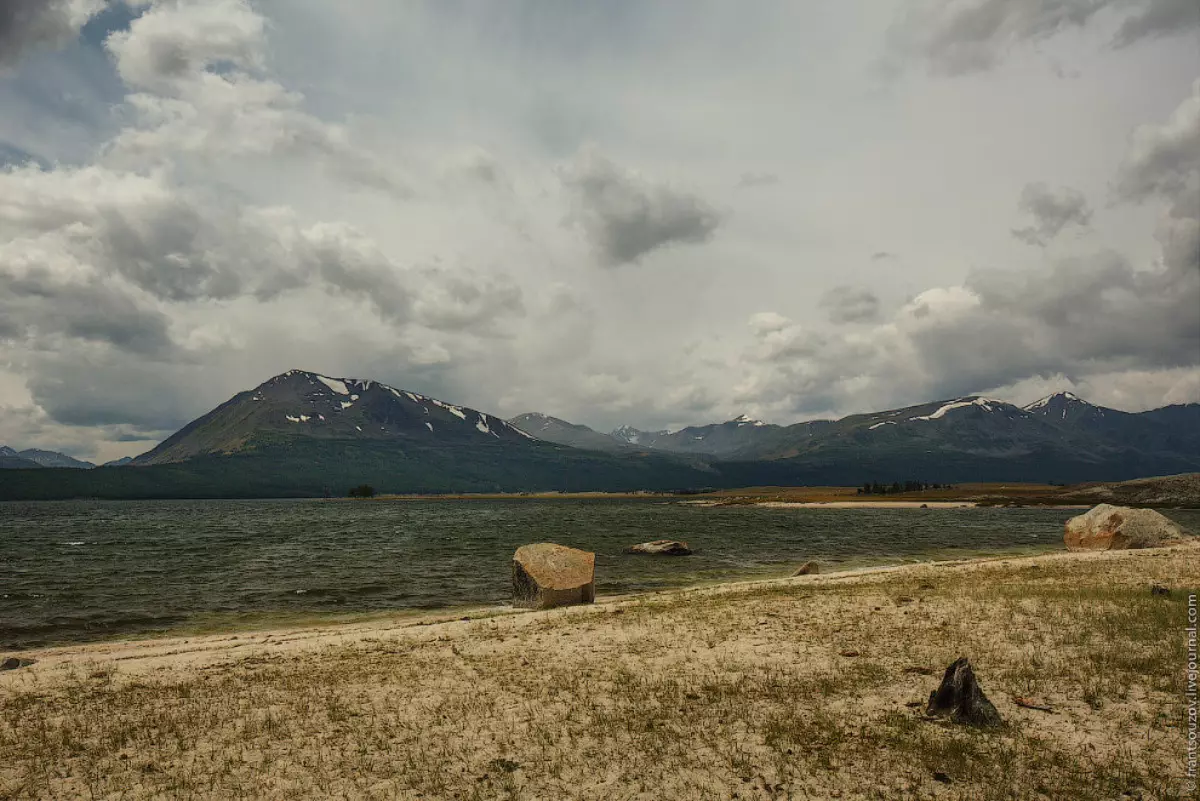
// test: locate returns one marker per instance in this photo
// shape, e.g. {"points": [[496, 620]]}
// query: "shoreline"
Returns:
{"points": [[348, 624], [266, 622], [858, 504], [811, 686]]}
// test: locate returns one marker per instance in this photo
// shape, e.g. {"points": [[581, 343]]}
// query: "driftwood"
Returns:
{"points": [[1025, 703]]}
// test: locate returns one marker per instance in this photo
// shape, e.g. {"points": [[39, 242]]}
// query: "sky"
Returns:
{"points": [[656, 214]]}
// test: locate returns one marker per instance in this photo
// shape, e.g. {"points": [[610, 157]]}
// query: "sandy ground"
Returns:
{"points": [[869, 504], [811, 687], [835, 504]]}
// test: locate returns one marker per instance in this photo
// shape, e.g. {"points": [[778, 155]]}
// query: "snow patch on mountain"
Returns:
{"points": [[988, 405], [524, 434], [337, 386], [454, 410]]}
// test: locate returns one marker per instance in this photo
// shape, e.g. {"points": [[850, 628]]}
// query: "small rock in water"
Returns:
{"points": [[1158, 589], [807, 569], [662, 548], [960, 697]]}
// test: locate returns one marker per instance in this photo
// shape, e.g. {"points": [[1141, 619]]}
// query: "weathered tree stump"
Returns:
{"points": [[960, 697]]}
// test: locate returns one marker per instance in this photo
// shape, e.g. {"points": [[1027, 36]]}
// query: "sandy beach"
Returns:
{"points": [[811, 687], [868, 505]]}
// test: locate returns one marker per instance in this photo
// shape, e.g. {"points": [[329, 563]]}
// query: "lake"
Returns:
{"points": [[83, 570]]}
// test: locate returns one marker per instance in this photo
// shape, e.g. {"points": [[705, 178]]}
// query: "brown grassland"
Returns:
{"points": [[810, 687]]}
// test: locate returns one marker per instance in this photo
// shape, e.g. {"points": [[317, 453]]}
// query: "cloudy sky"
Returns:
{"points": [[621, 212]]}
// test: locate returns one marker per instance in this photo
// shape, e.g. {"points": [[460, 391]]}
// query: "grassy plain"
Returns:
{"points": [[811, 687]]}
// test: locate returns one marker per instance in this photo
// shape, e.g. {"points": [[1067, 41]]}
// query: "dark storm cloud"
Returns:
{"points": [[1164, 163], [846, 304], [1052, 211], [1164, 159], [625, 216], [40, 308], [961, 36], [1159, 18], [29, 24], [98, 389]]}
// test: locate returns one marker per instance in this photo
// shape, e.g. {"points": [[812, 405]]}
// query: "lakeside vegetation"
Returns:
{"points": [[776, 690]]}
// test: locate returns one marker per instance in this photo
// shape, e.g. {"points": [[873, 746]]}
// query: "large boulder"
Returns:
{"points": [[547, 575], [1113, 528], [662, 548]]}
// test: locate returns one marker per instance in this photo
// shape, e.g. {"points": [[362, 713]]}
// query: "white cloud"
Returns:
{"points": [[409, 193], [198, 71]]}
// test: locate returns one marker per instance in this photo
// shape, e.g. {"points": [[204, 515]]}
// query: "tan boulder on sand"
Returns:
{"points": [[547, 575], [1114, 528]]}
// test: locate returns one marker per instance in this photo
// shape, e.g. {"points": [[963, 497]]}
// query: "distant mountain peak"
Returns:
{"points": [[1057, 397], [41, 458], [746, 420], [300, 406], [635, 436]]}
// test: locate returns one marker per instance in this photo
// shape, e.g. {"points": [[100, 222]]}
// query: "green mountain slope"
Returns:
{"points": [[303, 434]]}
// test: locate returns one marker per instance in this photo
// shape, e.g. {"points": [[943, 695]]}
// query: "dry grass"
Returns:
{"points": [[735, 692]]}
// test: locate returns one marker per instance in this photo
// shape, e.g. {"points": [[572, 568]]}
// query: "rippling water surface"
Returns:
{"points": [[85, 570]]}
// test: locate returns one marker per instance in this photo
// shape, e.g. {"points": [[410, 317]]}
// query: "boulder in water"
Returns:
{"points": [[662, 548], [807, 569], [546, 575], [1113, 528]]}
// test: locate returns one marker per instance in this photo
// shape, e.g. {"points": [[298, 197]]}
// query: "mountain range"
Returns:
{"points": [[1061, 426], [33, 458], [304, 434]]}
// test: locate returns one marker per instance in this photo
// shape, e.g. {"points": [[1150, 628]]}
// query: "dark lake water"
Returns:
{"points": [[86, 570]]}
